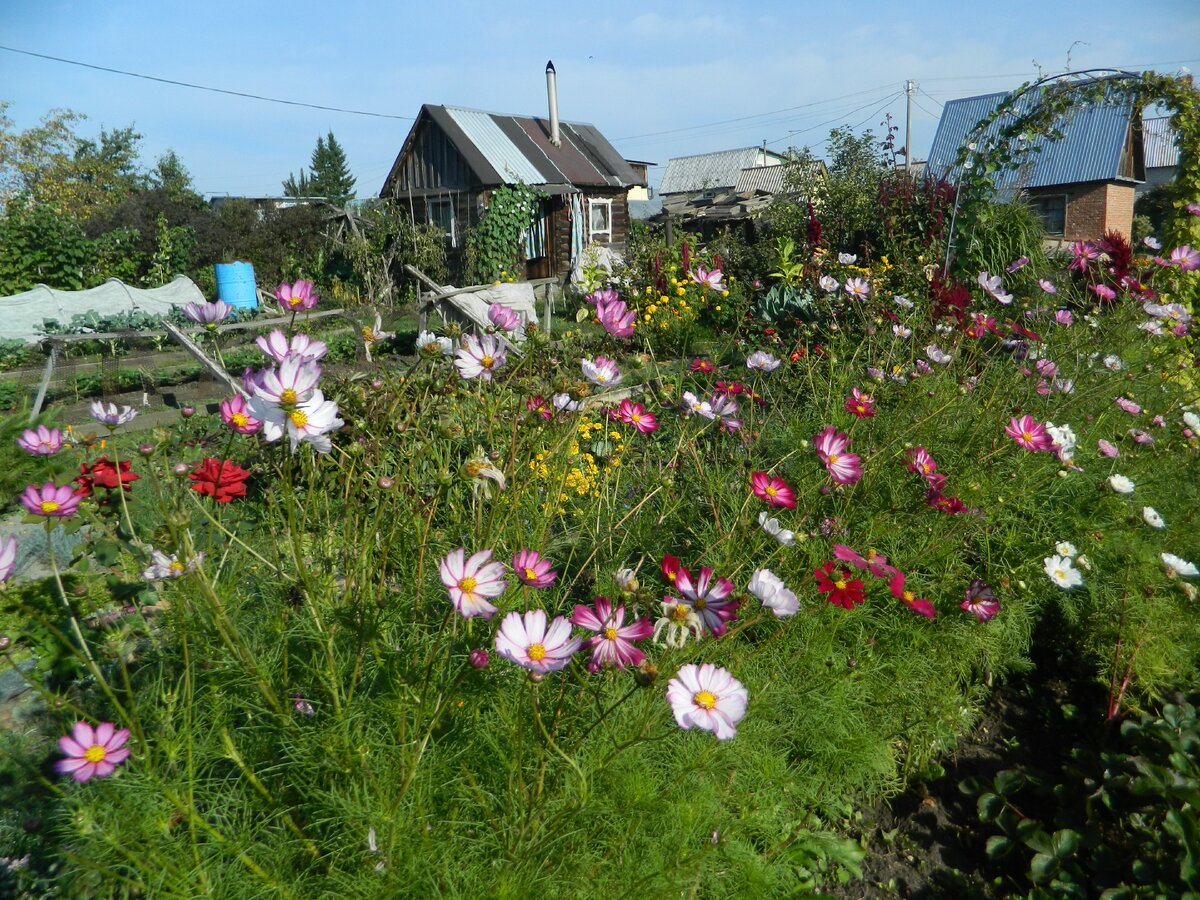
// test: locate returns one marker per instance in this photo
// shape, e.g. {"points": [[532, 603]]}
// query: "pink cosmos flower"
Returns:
{"points": [[723, 408], [601, 371], [309, 421], [607, 295], [920, 462], [858, 287], [525, 640], [92, 753], [208, 314], [1141, 437], [1128, 406], [278, 347], [1047, 286], [1019, 263], [1046, 368], [1107, 449], [994, 286], [774, 490], [636, 415], [1082, 253], [1064, 318], [612, 644], [844, 468], [830, 442], [1030, 434], [50, 500], [479, 357], [41, 441], [297, 297], [909, 599], [1186, 258], [980, 601], [291, 383], [938, 355], [711, 278], [1103, 291], [709, 698], [504, 318], [8, 558], [236, 415], [709, 598], [1193, 209], [616, 318], [471, 583], [873, 562], [533, 569], [862, 405]]}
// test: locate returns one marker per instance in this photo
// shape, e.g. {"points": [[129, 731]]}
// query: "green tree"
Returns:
{"points": [[328, 174], [169, 174]]}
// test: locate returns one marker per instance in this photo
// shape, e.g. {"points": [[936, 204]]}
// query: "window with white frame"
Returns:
{"points": [[439, 211], [600, 220]]}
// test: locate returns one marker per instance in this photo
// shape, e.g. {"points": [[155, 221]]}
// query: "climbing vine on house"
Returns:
{"points": [[494, 245]]}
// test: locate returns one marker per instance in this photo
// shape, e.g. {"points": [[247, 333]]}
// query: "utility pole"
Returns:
{"points": [[909, 87]]}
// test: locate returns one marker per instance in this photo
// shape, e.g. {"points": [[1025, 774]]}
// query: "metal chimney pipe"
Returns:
{"points": [[552, 96]]}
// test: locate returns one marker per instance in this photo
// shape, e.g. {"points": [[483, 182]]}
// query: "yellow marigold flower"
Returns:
{"points": [[724, 293], [681, 290]]}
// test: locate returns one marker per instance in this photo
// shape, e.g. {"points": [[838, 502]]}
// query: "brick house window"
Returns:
{"points": [[600, 220], [1052, 211]]}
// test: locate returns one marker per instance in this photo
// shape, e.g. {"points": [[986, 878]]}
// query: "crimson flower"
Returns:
{"points": [[703, 366], [939, 501], [772, 489], [102, 473], [862, 405], [539, 405], [221, 479], [671, 568], [836, 582], [909, 599]]}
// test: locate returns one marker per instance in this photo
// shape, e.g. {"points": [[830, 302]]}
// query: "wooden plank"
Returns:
{"points": [[236, 326], [217, 371]]}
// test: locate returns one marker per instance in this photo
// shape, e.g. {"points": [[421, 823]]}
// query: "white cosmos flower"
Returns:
{"points": [[308, 422], [1191, 420], [601, 371], [431, 344], [696, 406], [1121, 484], [774, 594], [1179, 566], [902, 302], [1153, 519], [763, 361], [938, 355], [901, 331], [847, 259], [1113, 363], [829, 284], [1062, 572], [1065, 548], [772, 527]]}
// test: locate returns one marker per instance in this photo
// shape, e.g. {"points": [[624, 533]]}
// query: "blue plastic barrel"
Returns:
{"points": [[235, 284]]}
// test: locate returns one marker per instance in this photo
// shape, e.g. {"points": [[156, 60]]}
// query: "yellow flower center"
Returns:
{"points": [[288, 396], [840, 585], [679, 614], [49, 506], [701, 603], [467, 585], [298, 417], [771, 491], [368, 334], [636, 418], [294, 302], [95, 753], [176, 566], [926, 468], [610, 633], [537, 652], [909, 597], [530, 575], [1027, 435], [601, 377], [705, 699], [833, 458], [239, 419], [487, 362]]}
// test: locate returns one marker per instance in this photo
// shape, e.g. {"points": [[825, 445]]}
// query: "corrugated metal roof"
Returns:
{"points": [[499, 150], [770, 179], [1158, 138], [1094, 136], [712, 171]]}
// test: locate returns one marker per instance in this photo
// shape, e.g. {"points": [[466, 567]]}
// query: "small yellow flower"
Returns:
{"points": [[681, 290], [724, 293]]}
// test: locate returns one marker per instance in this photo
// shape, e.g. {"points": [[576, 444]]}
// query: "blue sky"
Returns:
{"points": [[655, 78]]}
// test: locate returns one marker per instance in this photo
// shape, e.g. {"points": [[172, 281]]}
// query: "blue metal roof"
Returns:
{"points": [[1159, 140], [1094, 138]]}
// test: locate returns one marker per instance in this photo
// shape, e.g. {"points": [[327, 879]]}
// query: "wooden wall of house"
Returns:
{"points": [[432, 165]]}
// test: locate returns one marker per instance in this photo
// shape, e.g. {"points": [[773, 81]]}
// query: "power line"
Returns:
{"points": [[201, 87], [841, 118], [934, 99], [919, 106]]}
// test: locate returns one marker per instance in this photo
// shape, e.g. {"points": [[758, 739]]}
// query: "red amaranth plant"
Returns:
{"points": [[950, 299]]}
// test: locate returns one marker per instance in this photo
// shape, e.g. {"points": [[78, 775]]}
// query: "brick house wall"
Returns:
{"points": [[1092, 208]]}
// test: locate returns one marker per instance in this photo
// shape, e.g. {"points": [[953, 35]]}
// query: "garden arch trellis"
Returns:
{"points": [[1018, 135]]}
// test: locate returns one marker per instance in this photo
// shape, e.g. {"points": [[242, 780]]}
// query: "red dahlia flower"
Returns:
{"points": [[221, 479], [102, 473]]}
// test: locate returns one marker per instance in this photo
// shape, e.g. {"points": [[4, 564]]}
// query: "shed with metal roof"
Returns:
{"points": [[713, 172]]}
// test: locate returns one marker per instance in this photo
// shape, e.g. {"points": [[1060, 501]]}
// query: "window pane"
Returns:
{"points": [[599, 214], [1052, 211]]}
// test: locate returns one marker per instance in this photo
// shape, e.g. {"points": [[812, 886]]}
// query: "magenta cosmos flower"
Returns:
{"points": [[533, 569], [236, 416], [612, 643], [92, 753], [41, 441], [50, 500], [862, 405], [1030, 434], [873, 562], [980, 601], [920, 462], [772, 489], [843, 467], [296, 297], [525, 640], [616, 317], [472, 582], [503, 317], [208, 313], [708, 277], [709, 597], [1128, 406], [636, 415], [709, 698], [1186, 258], [479, 357], [909, 599]]}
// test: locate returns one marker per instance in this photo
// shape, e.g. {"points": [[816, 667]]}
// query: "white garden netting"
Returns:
{"points": [[22, 315]]}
